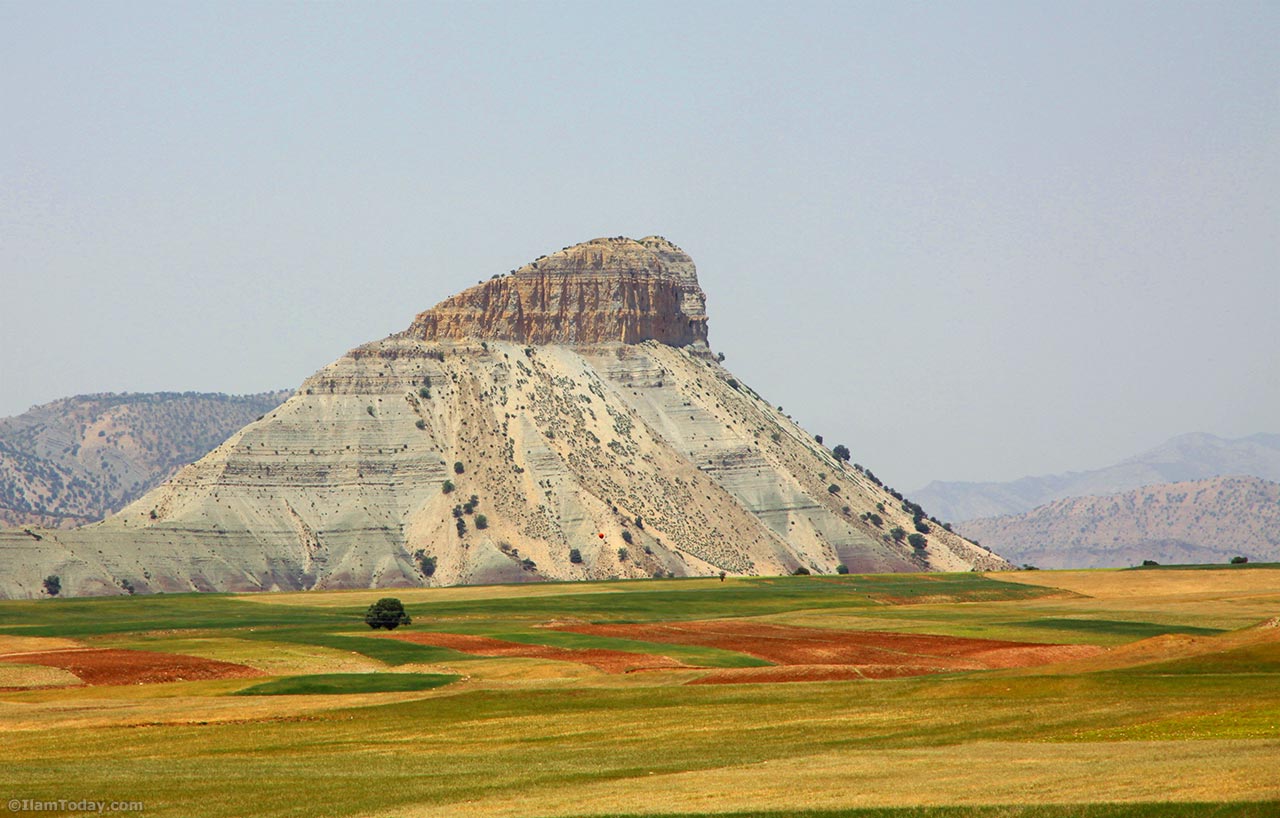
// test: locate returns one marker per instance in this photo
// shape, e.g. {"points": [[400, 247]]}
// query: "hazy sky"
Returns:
{"points": [[969, 240]]}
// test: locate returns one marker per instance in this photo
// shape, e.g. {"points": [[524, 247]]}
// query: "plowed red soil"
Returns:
{"points": [[813, 654], [112, 666], [610, 661]]}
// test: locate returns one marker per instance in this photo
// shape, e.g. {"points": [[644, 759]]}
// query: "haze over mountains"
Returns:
{"points": [[563, 421], [1195, 456], [75, 460], [1196, 498], [1200, 521]]}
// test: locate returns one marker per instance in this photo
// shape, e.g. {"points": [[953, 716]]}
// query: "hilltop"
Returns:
{"points": [[566, 420]]}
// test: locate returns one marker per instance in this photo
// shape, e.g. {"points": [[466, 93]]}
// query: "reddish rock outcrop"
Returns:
{"points": [[601, 291]]}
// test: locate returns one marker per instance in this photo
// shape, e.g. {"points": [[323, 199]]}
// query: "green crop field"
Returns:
{"points": [[1125, 694]]}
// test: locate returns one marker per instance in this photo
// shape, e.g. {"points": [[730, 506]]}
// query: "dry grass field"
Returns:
{"points": [[1035, 694]]}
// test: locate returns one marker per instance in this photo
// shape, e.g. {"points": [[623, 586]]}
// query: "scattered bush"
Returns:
{"points": [[1239, 560], [842, 568], [917, 541], [897, 533], [575, 556], [388, 613], [424, 392], [875, 519], [421, 424], [447, 487], [425, 563], [623, 554], [818, 438], [840, 451], [640, 523], [528, 564], [482, 522], [922, 527], [53, 585], [626, 536], [462, 527], [833, 489], [800, 572], [458, 468], [1149, 563]]}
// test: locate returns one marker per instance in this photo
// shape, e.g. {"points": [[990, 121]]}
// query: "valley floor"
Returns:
{"points": [[1055, 694]]}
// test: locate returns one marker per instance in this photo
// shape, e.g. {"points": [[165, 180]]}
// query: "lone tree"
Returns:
{"points": [[388, 613], [841, 452], [52, 585]]}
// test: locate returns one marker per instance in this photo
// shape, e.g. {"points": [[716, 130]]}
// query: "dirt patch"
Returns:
{"points": [[812, 654], [811, 673], [113, 666], [610, 661]]}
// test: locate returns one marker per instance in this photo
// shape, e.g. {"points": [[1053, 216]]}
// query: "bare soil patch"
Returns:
{"points": [[811, 654], [609, 661], [114, 666]]}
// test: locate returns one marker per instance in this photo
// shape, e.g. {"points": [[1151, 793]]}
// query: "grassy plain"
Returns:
{"points": [[1177, 712]]}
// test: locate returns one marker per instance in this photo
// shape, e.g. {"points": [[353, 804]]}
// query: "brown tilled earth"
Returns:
{"points": [[114, 666], [810, 654], [610, 661]]}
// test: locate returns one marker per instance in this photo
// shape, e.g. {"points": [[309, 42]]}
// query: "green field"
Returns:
{"points": [[1150, 693]]}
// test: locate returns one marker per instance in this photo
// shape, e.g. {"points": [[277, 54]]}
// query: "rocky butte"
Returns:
{"points": [[564, 421]]}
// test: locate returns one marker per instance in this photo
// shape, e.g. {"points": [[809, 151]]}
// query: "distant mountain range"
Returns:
{"points": [[75, 460], [1186, 457], [1208, 521]]}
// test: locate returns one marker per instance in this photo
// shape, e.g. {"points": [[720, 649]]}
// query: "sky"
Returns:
{"points": [[971, 241]]}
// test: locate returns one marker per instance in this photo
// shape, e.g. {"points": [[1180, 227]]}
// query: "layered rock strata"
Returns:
{"points": [[602, 291], [461, 456]]}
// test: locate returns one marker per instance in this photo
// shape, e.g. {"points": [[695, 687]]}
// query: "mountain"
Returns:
{"points": [[75, 460], [564, 421], [1196, 521], [1187, 457]]}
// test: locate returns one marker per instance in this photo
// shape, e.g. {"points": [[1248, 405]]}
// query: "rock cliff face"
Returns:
{"points": [[607, 290], [472, 449]]}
